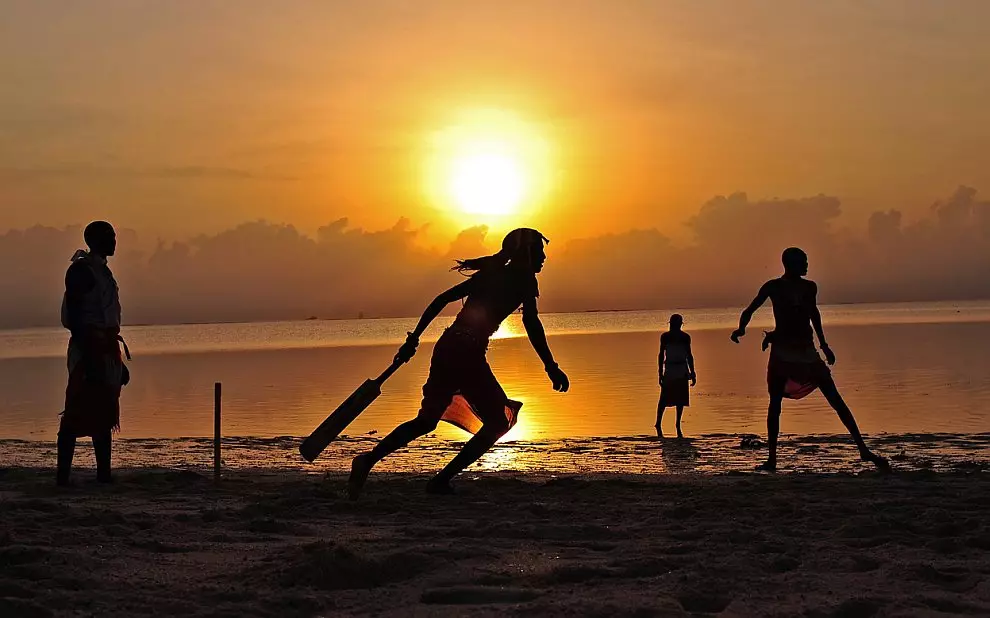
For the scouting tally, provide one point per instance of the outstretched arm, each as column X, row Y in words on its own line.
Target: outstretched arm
column 747, row 314
column 538, row 338
column 408, row 349
column 440, row 303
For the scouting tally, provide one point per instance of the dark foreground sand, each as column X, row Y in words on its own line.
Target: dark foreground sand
column 173, row 543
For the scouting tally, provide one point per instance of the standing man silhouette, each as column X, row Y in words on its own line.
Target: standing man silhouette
column 676, row 369
column 795, row 369
column 91, row 313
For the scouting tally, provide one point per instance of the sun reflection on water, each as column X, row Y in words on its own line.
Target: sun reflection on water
column 509, row 329
column 526, row 425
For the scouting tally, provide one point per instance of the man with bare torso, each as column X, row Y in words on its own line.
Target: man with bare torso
column 795, row 369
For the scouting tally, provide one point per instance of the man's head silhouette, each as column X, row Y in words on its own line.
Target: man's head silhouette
column 100, row 238
column 795, row 262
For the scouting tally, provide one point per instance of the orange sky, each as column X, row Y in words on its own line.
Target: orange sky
column 192, row 117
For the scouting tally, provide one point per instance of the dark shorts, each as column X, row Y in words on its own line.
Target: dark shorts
column 462, row 389
column 675, row 392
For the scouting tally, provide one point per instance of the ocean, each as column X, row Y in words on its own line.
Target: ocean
column 915, row 375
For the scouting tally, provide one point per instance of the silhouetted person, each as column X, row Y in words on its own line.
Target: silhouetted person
column 91, row 313
column 676, row 369
column 795, row 369
column 461, row 388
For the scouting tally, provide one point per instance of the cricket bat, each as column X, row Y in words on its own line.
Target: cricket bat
column 345, row 414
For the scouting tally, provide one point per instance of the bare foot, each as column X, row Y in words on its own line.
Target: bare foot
column 880, row 462
column 767, row 466
column 439, row 487
column 360, row 468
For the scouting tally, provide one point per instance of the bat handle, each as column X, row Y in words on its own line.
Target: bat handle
column 388, row 372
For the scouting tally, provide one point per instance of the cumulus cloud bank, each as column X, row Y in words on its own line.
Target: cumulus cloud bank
column 267, row 271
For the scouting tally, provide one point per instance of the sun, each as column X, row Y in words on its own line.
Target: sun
column 488, row 164
column 488, row 181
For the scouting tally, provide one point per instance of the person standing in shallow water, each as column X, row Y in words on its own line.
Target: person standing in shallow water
column 461, row 388
column 91, row 313
column 795, row 369
column 676, row 369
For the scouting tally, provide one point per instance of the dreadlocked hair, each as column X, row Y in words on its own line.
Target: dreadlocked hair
column 479, row 264
column 516, row 244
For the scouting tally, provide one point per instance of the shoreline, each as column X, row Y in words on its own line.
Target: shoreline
column 731, row 309
column 285, row 543
column 710, row 454
column 705, row 455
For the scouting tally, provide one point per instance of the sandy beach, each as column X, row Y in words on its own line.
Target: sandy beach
column 265, row 543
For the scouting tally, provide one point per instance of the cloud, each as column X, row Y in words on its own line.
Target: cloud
column 267, row 271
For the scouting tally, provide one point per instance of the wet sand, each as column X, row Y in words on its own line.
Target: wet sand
column 288, row 544
column 707, row 454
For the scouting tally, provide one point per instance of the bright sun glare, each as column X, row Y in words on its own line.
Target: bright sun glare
column 489, row 182
column 488, row 164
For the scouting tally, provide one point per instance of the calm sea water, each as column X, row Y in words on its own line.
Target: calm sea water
column 907, row 370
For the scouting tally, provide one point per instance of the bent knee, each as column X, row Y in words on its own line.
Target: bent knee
column 496, row 424
column 425, row 424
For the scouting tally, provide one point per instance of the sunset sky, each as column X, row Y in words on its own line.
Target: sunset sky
column 179, row 118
